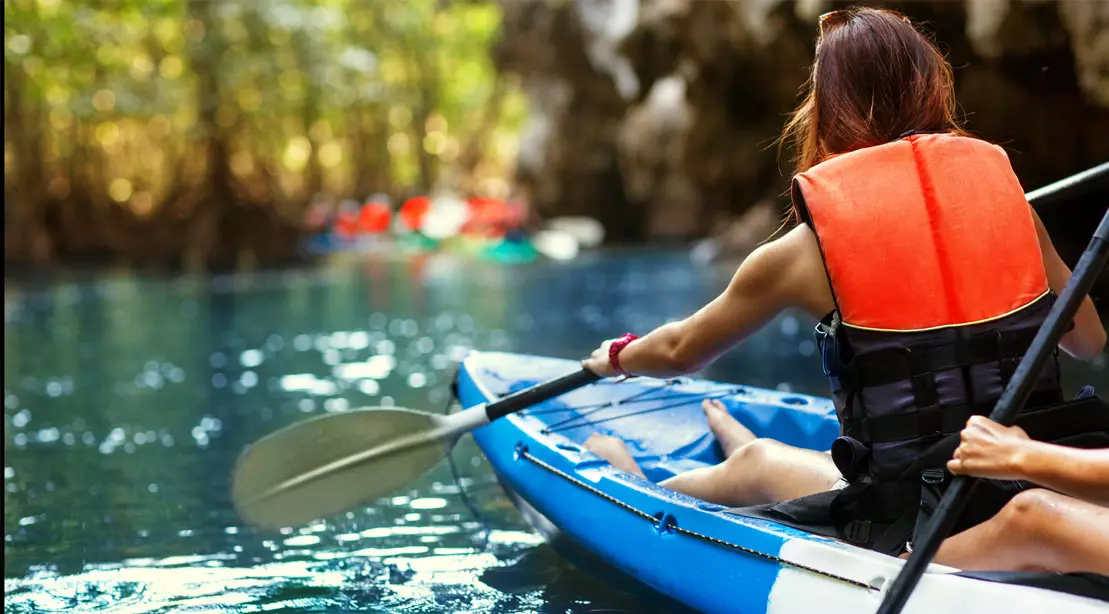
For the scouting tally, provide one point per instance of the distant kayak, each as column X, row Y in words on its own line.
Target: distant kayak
column 703, row 555
column 485, row 228
column 520, row 249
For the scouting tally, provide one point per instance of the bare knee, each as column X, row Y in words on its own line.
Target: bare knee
column 753, row 453
column 1030, row 515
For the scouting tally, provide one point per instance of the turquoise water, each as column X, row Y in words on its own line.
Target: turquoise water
column 126, row 401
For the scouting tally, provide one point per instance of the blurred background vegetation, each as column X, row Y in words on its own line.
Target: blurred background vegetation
column 196, row 133
column 169, row 132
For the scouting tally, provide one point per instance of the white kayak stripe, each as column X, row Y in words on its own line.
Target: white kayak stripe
column 938, row 591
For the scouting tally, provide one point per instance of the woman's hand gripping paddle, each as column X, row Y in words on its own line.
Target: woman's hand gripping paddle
column 334, row 463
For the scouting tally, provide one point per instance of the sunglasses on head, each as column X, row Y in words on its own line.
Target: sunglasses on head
column 832, row 19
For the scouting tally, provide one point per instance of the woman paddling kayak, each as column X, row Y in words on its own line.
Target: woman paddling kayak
column 930, row 273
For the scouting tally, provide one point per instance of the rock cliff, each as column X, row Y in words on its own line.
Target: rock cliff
column 660, row 116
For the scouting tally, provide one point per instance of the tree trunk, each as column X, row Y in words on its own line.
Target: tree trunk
column 24, row 232
column 213, row 238
column 310, row 113
column 427, row 89
column 474, row 151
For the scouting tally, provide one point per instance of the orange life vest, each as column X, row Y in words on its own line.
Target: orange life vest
column 939, row 285
column 927, row 231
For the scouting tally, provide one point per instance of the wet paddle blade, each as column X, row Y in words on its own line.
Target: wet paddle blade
column 331, row 464
column 334, row 463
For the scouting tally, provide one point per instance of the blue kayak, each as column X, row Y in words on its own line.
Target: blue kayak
column 698, row 554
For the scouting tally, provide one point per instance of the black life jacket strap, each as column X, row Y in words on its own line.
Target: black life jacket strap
column 931, row 421
column 878, row 516
column 1069, row 423
column 882, row 367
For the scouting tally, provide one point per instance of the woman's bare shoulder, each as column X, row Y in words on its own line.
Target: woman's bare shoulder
column 802, row 269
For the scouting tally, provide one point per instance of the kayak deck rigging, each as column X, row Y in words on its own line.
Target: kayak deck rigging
column 584, row 413
column 664, row 426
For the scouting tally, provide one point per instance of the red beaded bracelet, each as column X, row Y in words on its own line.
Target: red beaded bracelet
column 614, row 350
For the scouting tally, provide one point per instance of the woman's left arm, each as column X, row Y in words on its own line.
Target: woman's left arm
column 777, row 275
column 989, row 450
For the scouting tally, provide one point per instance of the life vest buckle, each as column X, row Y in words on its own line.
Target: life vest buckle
column 828, row 344
column 933, row 476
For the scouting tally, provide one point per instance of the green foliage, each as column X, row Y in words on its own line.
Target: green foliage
column 133, row 103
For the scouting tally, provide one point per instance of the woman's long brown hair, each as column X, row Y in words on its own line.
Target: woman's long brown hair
column 875, row 79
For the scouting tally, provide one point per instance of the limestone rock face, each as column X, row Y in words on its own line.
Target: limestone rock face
column 660, row 116
column 568, row 159
column 651, row 152
column 1088, row 25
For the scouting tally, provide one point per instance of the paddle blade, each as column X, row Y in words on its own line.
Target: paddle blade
column 334, row 463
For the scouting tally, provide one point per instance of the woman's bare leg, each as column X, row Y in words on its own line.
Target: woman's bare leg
column 730, row 433
column 762, row 471
column 614, row 451
column 755, row 471
column 1037, row 530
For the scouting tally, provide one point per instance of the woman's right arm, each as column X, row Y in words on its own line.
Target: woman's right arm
column 1087, row 339
column 786, row 272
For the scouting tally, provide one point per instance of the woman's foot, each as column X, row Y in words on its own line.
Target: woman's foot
column 614, row 451
column 729, row 432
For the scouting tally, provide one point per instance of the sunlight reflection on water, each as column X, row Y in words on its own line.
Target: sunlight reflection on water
column 126, row 401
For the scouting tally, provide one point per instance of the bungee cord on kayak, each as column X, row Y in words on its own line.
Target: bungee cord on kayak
column 682, row 400
column 638, row 397
column 673, row 526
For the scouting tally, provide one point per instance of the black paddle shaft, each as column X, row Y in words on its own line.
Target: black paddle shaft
column 1092, row 263
column 1071, row 187
column 537, row 394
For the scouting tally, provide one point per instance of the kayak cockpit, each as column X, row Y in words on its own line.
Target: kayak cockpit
column 661, row 421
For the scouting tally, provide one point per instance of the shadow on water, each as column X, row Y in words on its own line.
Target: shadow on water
column 127, row 400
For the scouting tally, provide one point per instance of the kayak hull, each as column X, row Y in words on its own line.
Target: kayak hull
column 689, row 550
